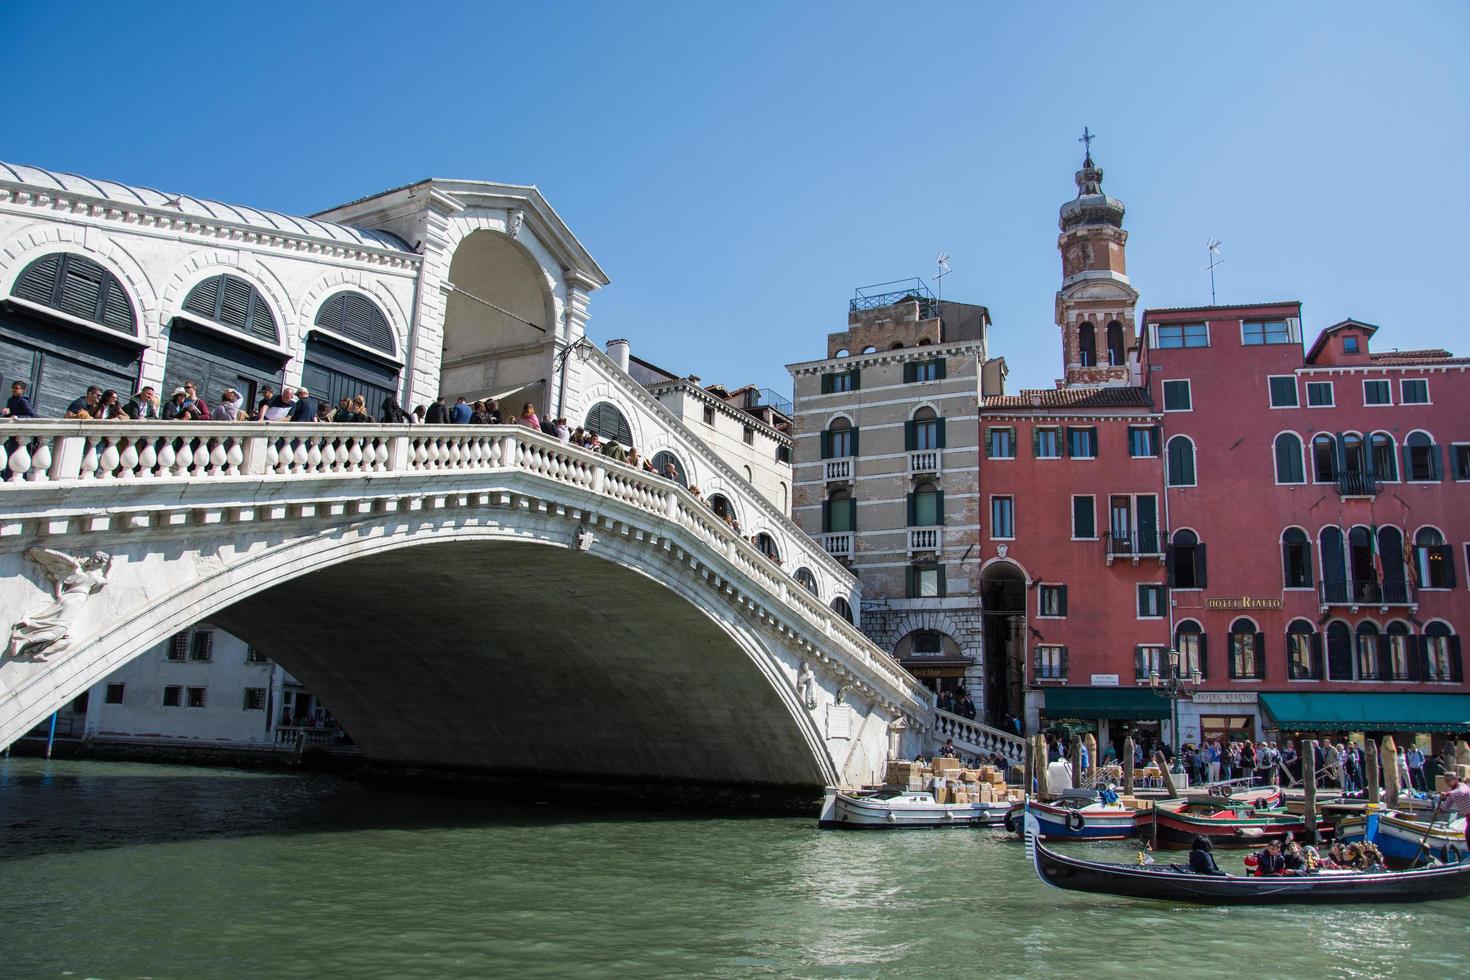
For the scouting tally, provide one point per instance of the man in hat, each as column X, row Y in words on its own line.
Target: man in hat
column 1456, row 798
column 304, row 408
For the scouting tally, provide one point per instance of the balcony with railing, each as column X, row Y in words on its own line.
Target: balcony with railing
column 925, row 461
column 1365, row 592
column 1357, row 485
column 926, row 539
column 838, row 545
column 838, row 469
column 1134, row 545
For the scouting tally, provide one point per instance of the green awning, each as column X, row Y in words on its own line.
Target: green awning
column 1120, row 703
column 1369, row 712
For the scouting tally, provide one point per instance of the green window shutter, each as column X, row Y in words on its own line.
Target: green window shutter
column 1199, row 563
column 857, row 378
column 855, row 450
column 1062, row 599
column 913, row 510
column 910, row 436
column 943, row 583
column 826, row 440
column 940, row 369
column 1138, row 672
column 827, row 384
column 1204, row 655
column 911, row 582
column 852, row 513
column 826, row 516
column 939, row 431
column 909, row 372
column 939, row 507
column 1067, row 441
column 1436, row 462
column 1260, row 657
column 1035, row 442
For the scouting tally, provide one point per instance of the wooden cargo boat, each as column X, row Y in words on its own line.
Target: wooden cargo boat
column 1403, row 841
column 890, row 809
column 1240, row 827
column 1094, row 821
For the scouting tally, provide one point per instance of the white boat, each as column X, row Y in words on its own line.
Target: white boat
column 888, row 809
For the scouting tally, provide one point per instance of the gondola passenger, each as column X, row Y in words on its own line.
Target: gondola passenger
column 1202, row 857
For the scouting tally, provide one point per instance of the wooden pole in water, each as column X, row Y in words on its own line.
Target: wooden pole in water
column 1091, row 744
column 1028, row 765
column 1128, row 766
column 1038, row 757
column 1076, row 762
column 1370, row 771
column 1163, row 765
column 1309, row 787
column 1462, row 753
column 1388, row 757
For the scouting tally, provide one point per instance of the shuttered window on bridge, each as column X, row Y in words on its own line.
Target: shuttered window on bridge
column 354, row 316
column 609, row 423
column 232, row 302
column 79, row 287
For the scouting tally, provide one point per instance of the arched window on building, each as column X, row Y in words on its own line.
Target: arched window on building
column 1289, row 459
column 1115, row 343
column 608, row 421
column 1339, row 651
column 1385, row 457
column 924, row 431
column 1421, row 458
column 1181, row 462
column 1361, row 568
column 1087, row 345
column 662, row 460
column 767, row 546
column 1403, row 658
column 1303, row 651
column 839, row 512
column 1247, row 650
column 77, row 286
column 356, row 317
column 1354, row 454
column 1441, row 654
column 1434, row 561
column 1189, row 640
column 1334, row 564
column 1184, row 562
column 723, row 509
column 806, row 579
column 839, row 440
column 1296, row 559
column 232, row 302
column 1324, row 458
column 842, row 608
column 1391, row 557
column 926, row 506
column 1368, row 652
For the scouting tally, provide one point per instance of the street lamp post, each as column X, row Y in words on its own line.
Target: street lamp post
column 1174, row 688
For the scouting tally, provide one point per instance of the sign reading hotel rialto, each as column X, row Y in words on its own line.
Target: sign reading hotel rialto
column 1244, row 602
column 1224, row 697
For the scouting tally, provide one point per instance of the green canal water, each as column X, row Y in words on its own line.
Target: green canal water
column 123, row 870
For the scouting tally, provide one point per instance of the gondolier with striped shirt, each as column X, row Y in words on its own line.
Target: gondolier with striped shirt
column 1456, row 797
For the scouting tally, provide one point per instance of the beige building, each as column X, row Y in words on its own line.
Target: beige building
column 886, row 467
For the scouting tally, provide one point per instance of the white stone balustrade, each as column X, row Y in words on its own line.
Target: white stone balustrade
column 979, row 739
column 924, row 461
column 926, row 538
column 839, row 469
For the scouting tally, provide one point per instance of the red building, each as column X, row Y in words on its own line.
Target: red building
column 1290, row 527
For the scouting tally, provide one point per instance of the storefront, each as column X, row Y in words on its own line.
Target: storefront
column 1372, row 713
column 941, row 675
column 1110, row 713
column 1226, row 716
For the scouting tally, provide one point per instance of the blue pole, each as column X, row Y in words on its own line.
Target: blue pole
column 51, row 738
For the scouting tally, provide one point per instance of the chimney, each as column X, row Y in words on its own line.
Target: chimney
column 618, row 351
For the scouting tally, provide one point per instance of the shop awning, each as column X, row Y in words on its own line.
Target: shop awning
column 1369, row 712
column 1120, row 703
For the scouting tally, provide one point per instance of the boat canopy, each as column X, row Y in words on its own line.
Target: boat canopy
column 1369, row 712
column 1121, row 703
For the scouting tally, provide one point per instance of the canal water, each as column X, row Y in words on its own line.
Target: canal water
column 120, row 870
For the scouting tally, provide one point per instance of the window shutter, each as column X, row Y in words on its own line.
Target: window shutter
column 82, row 282
column 1413, row 665
column 913, row 511
column 1066, row 440
column 826, row 516
column 1035, row 442
column 909, row 371
column 1204, row 655
column 1449, row 565
column 827, row 384
column 1286, row 580
column 939, row 369
column 1316, row 655
column 857, row 378
column 943, row 583
column 911, row 582
column 1169, row 565
column 1199, row 565
column 1036, row 662
column 1062, row 600
column 1341, row 454
column 38, row 282
column 1408, row 463
column 825, row 440
column 1260, row 656
column 855, row 450
column 1158, row 439
column 939, row 509
column 1416, row 562
column 1436, row 462
column 1385, row 658
column 1138, row 673
column 852, row 514
column 910, row 436
column 939, row 431
column 1456, row 673
column 1421, row 648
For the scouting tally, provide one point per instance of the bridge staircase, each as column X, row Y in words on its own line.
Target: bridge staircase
column 976, row 738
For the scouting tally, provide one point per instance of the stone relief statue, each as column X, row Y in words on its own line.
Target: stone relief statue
column 513, row 225
column 74, row 580
column 806, row 685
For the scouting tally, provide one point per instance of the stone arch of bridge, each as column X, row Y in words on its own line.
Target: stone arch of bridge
column 500, row 646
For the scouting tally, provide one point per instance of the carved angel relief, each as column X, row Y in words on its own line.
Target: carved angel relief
column 806, row 686
column 74, row 581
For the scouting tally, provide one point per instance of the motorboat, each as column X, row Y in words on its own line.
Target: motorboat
column 1076, row 819
column 1176, row 883
column 1403, row 840
column 1236, row 825
column 888, row 809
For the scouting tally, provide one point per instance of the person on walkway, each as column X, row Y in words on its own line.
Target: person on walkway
column 438, row 413
column 1416, row 769
column 1202, row 857
column 19, row 406
column 196, row 403
column 278, row 408
column 305, row 408
column 228, row 408
column 393, row 413
column 179, row 408
column 461, row 412
column 529, row 418
column 87, row 403
column 142, row 407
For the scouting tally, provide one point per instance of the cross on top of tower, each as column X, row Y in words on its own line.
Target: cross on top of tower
column 1086, row 140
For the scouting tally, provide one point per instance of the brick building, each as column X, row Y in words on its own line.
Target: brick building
column 1294, row 524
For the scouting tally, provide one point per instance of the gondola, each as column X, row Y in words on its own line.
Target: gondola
column 1176, row 883
column 1178, row 828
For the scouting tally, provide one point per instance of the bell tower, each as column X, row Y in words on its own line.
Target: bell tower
column 1095, row 304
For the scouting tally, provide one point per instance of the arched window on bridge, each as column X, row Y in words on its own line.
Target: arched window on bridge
column 662, row 460
column 767, row 546
column 842, row 608
column 807, row 580
column 78, row 287
column 608, row 422
column 232, row 302
column 722, row 507
column 355, row 317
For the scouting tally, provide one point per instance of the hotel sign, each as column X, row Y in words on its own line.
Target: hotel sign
column 1224, row 697
column 1244, row 602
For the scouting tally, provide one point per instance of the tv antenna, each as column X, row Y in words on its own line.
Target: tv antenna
column 1213, row 246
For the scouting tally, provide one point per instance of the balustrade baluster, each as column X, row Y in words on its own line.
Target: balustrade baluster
column 41, row 462
column 107, row 462
column 128, row 460
column 234, row 457
column 147, row 458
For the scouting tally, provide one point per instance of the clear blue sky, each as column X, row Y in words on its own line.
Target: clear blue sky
column 739, row 168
